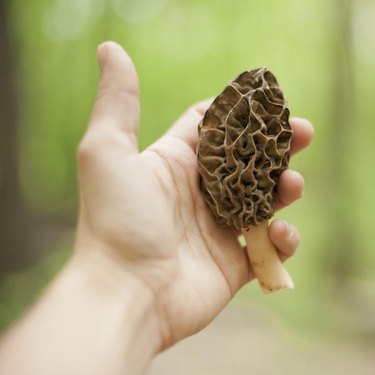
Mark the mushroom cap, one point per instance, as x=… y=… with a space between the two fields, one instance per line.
x=244 y=145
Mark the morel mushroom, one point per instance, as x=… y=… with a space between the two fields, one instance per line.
x=244 y=143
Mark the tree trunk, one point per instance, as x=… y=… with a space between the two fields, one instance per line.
x=14 y=250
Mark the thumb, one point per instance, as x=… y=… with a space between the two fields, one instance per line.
x=117 y=101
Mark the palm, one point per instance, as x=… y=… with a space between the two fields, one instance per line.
x=148 y=207
x=211 y=264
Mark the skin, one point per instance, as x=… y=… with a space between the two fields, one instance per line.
x=150 y=265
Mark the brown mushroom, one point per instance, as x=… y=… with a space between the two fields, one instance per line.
x=244 y=143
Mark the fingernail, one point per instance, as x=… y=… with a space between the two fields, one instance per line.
x=299 y=177
x=283 y=225
x=290 y=231
x=102 y=54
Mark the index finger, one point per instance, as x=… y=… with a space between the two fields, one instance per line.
x=185 y=128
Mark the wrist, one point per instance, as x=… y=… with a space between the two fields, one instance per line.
x=127 y=304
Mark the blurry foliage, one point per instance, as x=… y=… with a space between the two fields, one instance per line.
x=185 y=51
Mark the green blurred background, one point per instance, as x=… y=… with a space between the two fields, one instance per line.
x=323 y=54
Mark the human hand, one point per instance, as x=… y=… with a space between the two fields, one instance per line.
x=142 y=214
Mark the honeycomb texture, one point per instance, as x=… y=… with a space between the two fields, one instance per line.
x=244 y=144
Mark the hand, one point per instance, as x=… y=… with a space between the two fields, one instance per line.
x=142 y=214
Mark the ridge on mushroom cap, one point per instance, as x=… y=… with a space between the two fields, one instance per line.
x=244 y=145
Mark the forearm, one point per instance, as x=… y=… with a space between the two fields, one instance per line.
x=87 y=322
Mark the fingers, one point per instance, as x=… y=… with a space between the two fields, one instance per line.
x=289 y=188
x=290 y=185
x=117 y=102
x=186 y=127
x=303 y=133
x=285 y=237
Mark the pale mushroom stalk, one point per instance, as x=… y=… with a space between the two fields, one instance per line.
x=264 y=258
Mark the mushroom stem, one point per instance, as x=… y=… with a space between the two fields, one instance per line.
x=264 y=258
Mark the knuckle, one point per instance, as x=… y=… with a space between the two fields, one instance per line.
x=115 y=93
x=89 y=148
x=84 y=150
x=201 y=107
x=296 y=235
x=192 y=111
x=293 y=239
x=195 y=110
x=97 y=145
